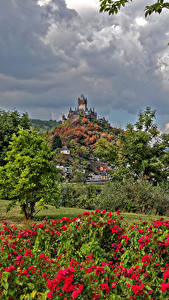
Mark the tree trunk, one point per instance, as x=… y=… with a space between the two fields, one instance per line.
x=25 y=211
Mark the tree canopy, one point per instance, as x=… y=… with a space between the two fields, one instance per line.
x=113 y=7
x=9 y=124
x=140 y=150
x=29 y=177
x=56 y=142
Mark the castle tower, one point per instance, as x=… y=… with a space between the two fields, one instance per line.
x=82 y=103
x=63 y=119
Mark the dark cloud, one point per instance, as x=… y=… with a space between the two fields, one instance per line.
x=49 y=55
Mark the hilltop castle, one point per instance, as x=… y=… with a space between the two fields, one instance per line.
x=80 y=111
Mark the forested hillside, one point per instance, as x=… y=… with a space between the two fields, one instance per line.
x=43 y=125
x=83 y=132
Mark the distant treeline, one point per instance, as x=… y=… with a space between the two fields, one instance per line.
x=44 y=125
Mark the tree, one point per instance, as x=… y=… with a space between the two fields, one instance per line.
x=78 y=172
x=106 y=151
x=9 y=124
x=140 y=151
x=130 y=195
x=113 y=7
x=56 y=142
x=29 y=177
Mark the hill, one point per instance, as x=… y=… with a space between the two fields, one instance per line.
x=43 y=125
x=76 y=144
x=84 y=132
x=75 y=141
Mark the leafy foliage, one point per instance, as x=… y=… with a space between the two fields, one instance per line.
x=140 y=151
x=84 y=132
x=29 y=177
x=106 y=151
x=43 y=125
x=9 y=124
x=113 y=7
x=81 y=136
x=129 y=195
x=56 y=142
x=134 y=196
x=95 y=255
x=78 y=195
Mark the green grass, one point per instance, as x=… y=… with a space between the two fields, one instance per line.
x=14 y=216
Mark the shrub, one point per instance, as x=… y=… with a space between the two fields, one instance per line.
x=134 y=196
x=79 y=195
x=92 y=256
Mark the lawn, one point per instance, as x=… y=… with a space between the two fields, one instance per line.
x=14 y=216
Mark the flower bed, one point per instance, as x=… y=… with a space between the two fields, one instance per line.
x=92 y=256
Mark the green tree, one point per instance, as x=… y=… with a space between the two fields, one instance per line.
x=29 y=177
x=78 y=172
x=84 y=152
x=106 y=151
x=130 y=195
x=140 y=151
x=9 y=124
x=113 y=7
x=56 y=142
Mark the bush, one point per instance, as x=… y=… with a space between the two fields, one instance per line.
x=127 y=195
x=78 y=195
x=134 y=196
x=92 y=256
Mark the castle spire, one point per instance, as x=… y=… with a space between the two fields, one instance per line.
x=82 y=103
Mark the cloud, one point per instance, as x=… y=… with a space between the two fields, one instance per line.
x=52 y=53
x=166 y=128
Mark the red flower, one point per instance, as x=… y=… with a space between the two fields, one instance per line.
x=105 y=287
x=166 y=274
x=10 y=268
x=138 y=289
x=165 y=286
x=76 y=293
x=113 y=285
x=50 y=295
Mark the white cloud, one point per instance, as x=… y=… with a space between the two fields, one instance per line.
x=80 y=5
x=141 y=21
x=119 y=62
x=43 y=2
x=166 y=129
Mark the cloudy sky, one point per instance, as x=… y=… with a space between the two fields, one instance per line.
x=52 y=51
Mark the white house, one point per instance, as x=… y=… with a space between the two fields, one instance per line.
x=65 y=150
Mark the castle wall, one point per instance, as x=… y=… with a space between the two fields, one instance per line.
x=81 y=110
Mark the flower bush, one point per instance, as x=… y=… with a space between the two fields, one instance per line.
x=91 y=256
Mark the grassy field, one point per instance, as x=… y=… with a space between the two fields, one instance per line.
x=14 y=216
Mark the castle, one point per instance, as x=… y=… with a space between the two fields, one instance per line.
x=80 y=111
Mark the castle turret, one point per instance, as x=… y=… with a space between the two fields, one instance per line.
x=82 y=103
x=64 y=119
